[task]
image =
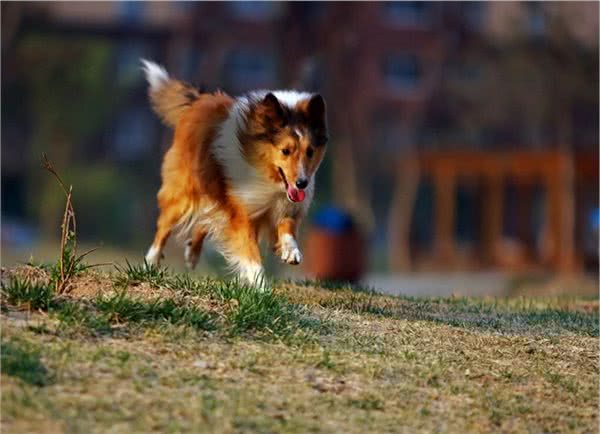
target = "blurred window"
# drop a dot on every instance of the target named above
(388, 132)
(133, 133)
(248, 69)
(467, 215)
(314, 10)
(131, 11)
(188, 63)
(469, 72)
(474, 14)
(311, 73)
(536, 20)
(255, 11)
(127, 62)
(407, 13)
(421, 227)
(186, 6)
(402, 72)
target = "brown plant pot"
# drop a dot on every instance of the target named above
(331, 256)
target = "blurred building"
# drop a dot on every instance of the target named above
(401, 78)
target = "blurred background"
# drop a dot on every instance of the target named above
(464, 135)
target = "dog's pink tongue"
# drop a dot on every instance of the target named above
(296, 195)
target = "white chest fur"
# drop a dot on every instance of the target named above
(260, 198)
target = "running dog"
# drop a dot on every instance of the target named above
(239, 170)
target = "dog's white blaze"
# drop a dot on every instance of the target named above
(287, 97)
(301, 171)
(156, 75)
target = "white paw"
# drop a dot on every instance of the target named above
(290, 253)
(153, 256)
(191, 258)
(254, 275)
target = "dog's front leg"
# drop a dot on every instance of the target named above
(240, 247)
(287, 246)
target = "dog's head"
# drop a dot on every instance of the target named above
(286, 143)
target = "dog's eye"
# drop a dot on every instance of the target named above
(285, 151)
(309, 152)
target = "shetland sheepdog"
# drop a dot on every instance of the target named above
(239, 170)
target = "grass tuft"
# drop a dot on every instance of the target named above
(122, 308)
(134, 274)
(75, 268)
(24, 292)
(186, 284)
(73, 314)
(256, 310)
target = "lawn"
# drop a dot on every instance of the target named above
(147, 350)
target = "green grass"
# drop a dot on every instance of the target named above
(108, 312)
(242, 307)
(73, 265)
(134, 274)
(119, 307)
(77, 316)
(186, 284)
(255, 310)
(35, 295)
(156, 351)
(22, 360)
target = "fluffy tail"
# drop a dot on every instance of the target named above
(169, 98)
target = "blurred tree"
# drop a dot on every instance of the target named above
(523, 90)
(352, 135)
(524, 87)
(70, 96)
(12, 15)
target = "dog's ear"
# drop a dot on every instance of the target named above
(316, 109)
(271, 113)
(316, 113)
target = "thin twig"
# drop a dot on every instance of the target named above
(69, 225)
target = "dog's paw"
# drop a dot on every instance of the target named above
(290, 253)
(154, 256)
(254, 275)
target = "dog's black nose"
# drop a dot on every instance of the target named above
(302, 183)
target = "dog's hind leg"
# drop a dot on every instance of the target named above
(167, 219)
(193, 247)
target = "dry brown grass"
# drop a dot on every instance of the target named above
(362, 363)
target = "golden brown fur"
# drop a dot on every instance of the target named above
(171, 100)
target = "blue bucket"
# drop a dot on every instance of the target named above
(333, 220)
